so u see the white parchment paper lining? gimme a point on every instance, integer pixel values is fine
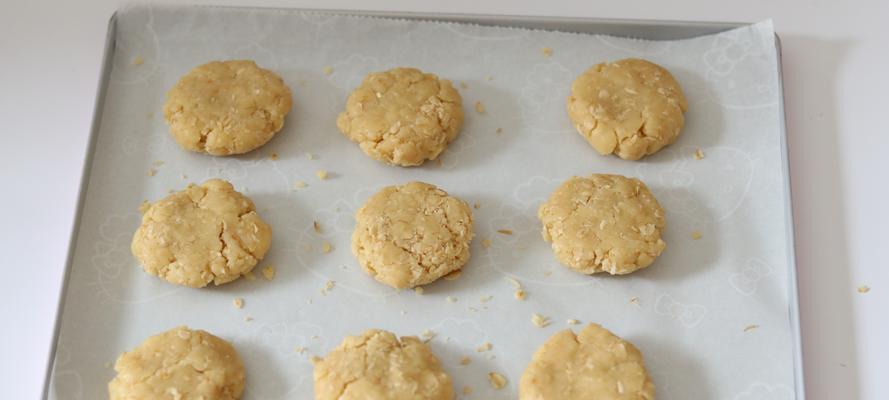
(693, 303)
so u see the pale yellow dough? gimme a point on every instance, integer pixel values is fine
(412, 234)
(603, 223)
(179, 364)
(402, 116)
(593, 365)
(379, 366)
(631, 108)
(227, 107)
(205, 233)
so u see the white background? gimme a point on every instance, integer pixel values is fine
(835, 73)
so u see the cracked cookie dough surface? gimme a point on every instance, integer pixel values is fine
(227, 107)
(631, 108)
(603, 223)
(402, 116)
(179, 364)
(412, 234)
(592, 365)
(205, 233)
(379, 366)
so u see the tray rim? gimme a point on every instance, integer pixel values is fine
(607, 26)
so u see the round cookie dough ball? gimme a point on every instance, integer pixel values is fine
(379, 366)
(630, 107)
(181, 364)
(412, 234)
(603, 223)
(402, 116)
(594, 365)
(205, 233)
(227, 107)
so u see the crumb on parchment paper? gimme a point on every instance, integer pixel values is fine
(539, 321)
(699, 154)
(695, 235)
(484, 347)
(749, 328)
(863, 289)
(520, 294)
(328, 70)
(547, 52)
(238, 302)
(479, 107)
(268, 272)
(504, 231)
(496, 380)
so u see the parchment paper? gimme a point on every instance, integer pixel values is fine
(692, 306)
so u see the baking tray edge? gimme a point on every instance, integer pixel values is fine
(98, 108)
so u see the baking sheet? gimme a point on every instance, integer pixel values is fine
(693, 304)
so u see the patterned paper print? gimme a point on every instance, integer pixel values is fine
(687, 312)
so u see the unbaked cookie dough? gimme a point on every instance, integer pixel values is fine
(603, 223)
(227, 107)
(179, 364)
(594, 365)
(402, 116)
(379, 366)
(412, 234)
(205, 233)
(631, 108)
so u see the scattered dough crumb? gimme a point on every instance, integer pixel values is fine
(328, 70)
(238, 302)
(485, 299)
(157, 163)
(250, 276)
(328, 286)
(310, 156)
(486, 243)
(268, 273)
(520, 294)
(547, 52)
(695, 235)
(299, 185)
(634, 300)
(427, 335)
(321, 174)
(453, 275)
(476, 205)
(479, 107)
(863, 289)
(499, 131)
(151, 172)
(248, 319)
(315, 359)
(547, 273)
(273, 156)
(419, 290)
(467, 390)
(183, 177)
(484, 347)
(573, 322)
(539, 320)
(326, 247)
(504, 231)
(299, 349)
(497, 381)
(699, 154)
(451, 299)
(489, 78)
(749, 328)
(316, 226)
(465, 360)
(463, 85)
(138, 60)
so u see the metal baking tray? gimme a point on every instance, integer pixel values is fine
(73, 373)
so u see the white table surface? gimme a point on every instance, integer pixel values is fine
(836, 71)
